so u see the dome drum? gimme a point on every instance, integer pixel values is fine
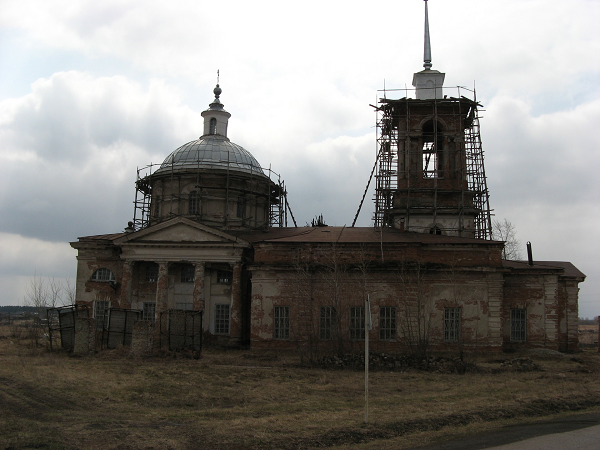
(213, 181)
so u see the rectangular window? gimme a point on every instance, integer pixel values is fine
(281, 322)
(518, 325)
(327, 322)
(221, 319)
(151, 273)
(357, 322)
(148, 310)
(387, 323)
(224, 277)
(101, 313)
(187, 274)
(188, 306)
(451, 324)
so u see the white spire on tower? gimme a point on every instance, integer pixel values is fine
(427, 52)
(428, 82)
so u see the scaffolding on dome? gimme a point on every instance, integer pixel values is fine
(276, 200)
(390, 135)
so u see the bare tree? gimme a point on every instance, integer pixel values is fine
(416, 308)
(506, 231)
(69, 292)
(37, 296)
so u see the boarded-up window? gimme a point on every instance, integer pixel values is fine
(518, 325)
(281, 322)
(221, 319)
(327, 322)
(357, 322)
(451, 324)
(387, 323)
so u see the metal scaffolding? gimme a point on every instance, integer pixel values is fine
(275, 196)
(394, 132)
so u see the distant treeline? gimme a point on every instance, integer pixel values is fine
(17, 309)
(586, 321)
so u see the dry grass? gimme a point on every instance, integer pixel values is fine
(244, 400)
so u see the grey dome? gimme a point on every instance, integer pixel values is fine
(211, 152)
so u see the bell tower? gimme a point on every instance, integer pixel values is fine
(430, 174)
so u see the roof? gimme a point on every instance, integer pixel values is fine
(569, 269)
(353, 235)
(211, 152)
(102, 237)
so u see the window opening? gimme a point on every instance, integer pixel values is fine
(433, 140)
(221, 319)
(436, 230)
(357, 322)
(148, 311)
(451, 324)
(518, 325)
(187, 274)
(194, 203)
(151, 273)
(326, 322)
(430, 162)
(213, 126)
(241, 207)
(281, 322)
(224, 277)
(387, 323)
(103, 274)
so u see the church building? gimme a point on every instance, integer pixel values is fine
(210, 234)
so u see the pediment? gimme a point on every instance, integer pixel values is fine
(179, 231)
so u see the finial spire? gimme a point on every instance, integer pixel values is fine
(427, 52)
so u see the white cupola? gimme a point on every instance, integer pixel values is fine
(215, 117)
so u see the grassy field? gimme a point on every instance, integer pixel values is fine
(239, 399)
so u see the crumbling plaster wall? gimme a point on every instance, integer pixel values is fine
(89, 259)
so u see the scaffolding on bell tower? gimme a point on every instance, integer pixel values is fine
(405, 185)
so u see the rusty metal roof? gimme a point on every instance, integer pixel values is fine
(353, 235)
(569, 269)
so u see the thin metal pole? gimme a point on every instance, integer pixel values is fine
(367, 329)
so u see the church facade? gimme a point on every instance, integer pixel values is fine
(210, 234)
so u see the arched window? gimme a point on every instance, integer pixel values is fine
(213, 126)
(194, 203)
(435, 230)
(103, 274)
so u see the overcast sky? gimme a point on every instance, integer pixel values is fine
(89, 91)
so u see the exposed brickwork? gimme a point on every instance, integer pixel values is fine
(198, 295)
(236, 305)
(418, 275)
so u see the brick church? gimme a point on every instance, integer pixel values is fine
(210, 234)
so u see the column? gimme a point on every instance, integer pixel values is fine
(198, 295)
(235, 331)
(162, 288)
(125, 294)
